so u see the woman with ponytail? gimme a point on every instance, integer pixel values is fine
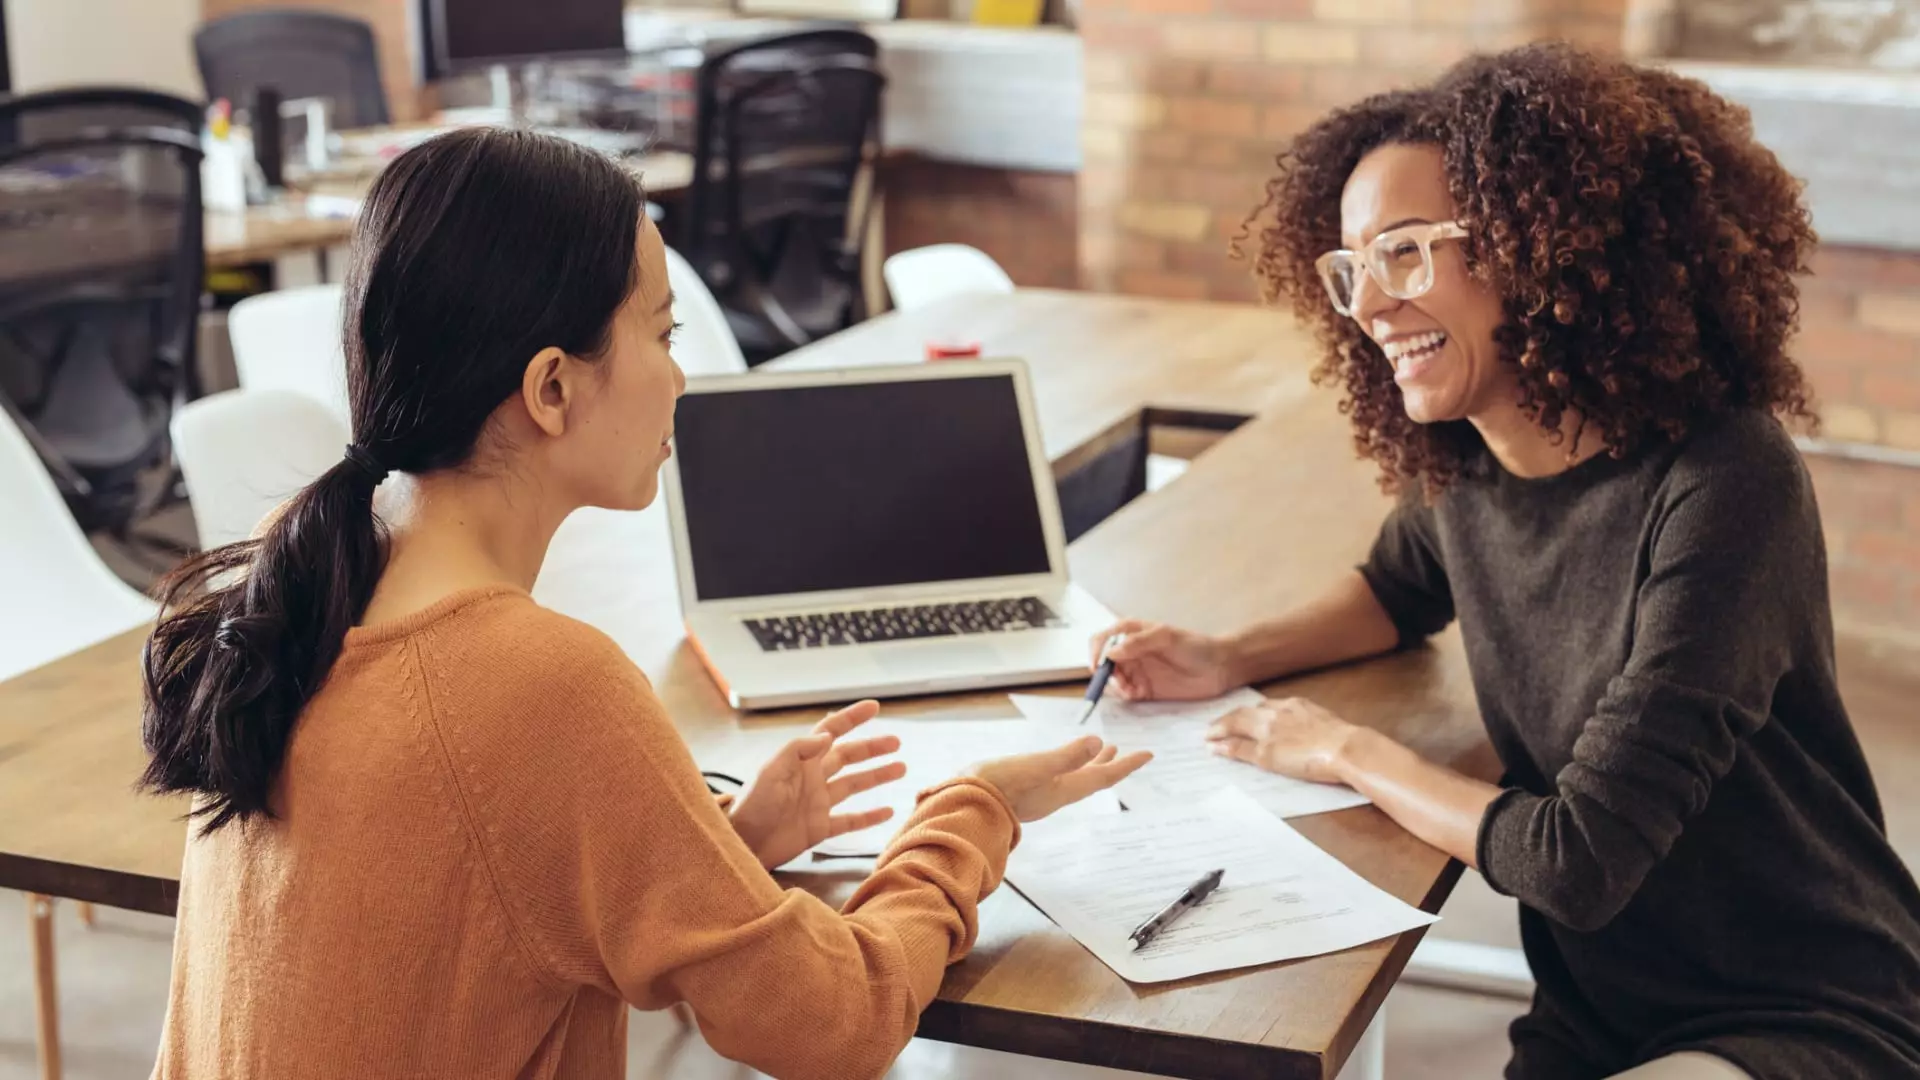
(440, 831)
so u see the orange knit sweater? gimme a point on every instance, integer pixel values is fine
(490, 839)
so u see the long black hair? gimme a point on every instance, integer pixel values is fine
(475, 250)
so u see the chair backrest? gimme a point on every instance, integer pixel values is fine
(299, 53)
(101, 263)
(81, 110)
(924, 275)
(244, 452)
(289, 339)
(783, 128)
(59, 596)
(705, 344)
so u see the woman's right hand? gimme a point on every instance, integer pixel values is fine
(1038, 784)
(1156, 662)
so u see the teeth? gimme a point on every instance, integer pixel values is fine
(1420, 343)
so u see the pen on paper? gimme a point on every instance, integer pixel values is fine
(1144, 934)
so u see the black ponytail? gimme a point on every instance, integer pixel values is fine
(476, 250)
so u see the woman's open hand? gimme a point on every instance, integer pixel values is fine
(789, 807)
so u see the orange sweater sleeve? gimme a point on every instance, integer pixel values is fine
(618, 869)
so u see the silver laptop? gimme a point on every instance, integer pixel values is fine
(872, 532)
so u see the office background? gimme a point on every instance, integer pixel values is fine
(1174, 110)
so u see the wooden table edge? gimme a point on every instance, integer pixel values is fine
(94, 885)
(1192, 1057)
(966, 1023)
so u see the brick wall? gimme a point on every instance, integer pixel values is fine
(1860, 343)
(1026, 221)
(1187, 102)
(1871, 513)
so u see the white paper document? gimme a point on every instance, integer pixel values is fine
(933, 750)
(1184, 771)
(1041, 709)
(1281, 898)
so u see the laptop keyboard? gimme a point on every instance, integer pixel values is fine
(901, 623)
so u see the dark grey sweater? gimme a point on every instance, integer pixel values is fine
(1688, 822)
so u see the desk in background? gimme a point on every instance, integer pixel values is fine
(1259, 523)
(292, 227)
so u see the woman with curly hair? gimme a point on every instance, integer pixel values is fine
(1557, 291)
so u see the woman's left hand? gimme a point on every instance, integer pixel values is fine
(1290, 736)
(789, 807)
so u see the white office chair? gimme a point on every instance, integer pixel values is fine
(705, 344)
(245, 452)
(924, 275)
(289, 339)
(60, 597)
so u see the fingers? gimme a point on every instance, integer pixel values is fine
(1128, 688)
(853, 784)
(1071, 756)
(1117, 768)
(807, 747)
(1244, 723)
(856, 751)
(1236, 748)
(1099, 641)
(839, 723)
(841, 824)
(1143, 641)
(1101, 775)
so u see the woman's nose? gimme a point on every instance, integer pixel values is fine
(1369, 299)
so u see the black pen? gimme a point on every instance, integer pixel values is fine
(1101, 674)
(1198, 891)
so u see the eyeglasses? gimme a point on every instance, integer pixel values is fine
(1400, 261)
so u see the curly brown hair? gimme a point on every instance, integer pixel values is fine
(1643, 245)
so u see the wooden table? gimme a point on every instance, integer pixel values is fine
(264, 233)
(1258, 523)
(74, 238)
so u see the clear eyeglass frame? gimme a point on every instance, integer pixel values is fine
(1400, 262)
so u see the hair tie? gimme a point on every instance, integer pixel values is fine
(361, 458)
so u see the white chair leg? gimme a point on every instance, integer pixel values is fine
(1369, 1058)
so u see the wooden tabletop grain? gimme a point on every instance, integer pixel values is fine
(1259, 522)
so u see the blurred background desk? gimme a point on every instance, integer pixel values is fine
(297, 224)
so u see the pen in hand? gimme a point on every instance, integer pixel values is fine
(1101, 674)
(1145, 933)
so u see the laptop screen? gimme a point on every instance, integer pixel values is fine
(807, 489)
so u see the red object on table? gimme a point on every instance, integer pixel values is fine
(953, 350)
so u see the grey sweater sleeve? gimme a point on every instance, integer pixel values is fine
(1735, 562)
(1406, 574)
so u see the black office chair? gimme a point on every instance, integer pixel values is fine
(101, 260)
(79, 110)
(302, 54)
(783, 129)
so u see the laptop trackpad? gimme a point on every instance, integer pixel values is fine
(950, 657)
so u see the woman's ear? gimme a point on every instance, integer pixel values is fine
(547, 389)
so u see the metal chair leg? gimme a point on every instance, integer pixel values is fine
(46, 998)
